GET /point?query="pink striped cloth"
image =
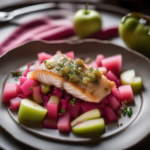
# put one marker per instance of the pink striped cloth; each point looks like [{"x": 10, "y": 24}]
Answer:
[{"x": 46, "y": 29}]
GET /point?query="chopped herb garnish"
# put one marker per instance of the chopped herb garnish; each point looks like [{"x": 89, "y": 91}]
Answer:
[
  {"x": 73, "y": 65},
  {"x": 72, "y": 102},
  {"x": 16, "y": 73},
  {"x": 70, "y": 74},
  {"x": 91, "y": 69},
  {"x": 97, "y": 70},
  {"x": 65, "y": 59},
  {"x": 61, "y": 65},
  {"x": 31, "y": 88},
  {"x": 62, "y": 111},
  {"x": 45, "y": 61},
  {"x": 96, "y": 81},
  {"x": 127, "y": 112},
  {"x": 57, "y": 69}
]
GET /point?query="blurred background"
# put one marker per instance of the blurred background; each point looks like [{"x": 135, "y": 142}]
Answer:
[{"x": 135, "y": 5}]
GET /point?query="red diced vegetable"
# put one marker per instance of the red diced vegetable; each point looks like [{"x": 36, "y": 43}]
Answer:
[
  {"x": 86, "y": 106},
  {"x": 70, "y": 54},
  {"x": 25, "y": 72},
  {"x": 22, "y": 80},
  {"x": 111, "y": 76},
  {"x": 53, "y": 108},
  {"x": 113, "y": 63},
  {"x": 64, "y": 122},
  {"x": 48, "y": 123},
  {"x": 15, "y": 103},
  {"x": 118, "y": 112},
  {"x": 126, "y": 93},
  {"x": 10, "y": 92},
  {"x": 109, "y": 114},
  {"x": 19, "y": 91},
  {"x": 64, "y": 104},
  {"x": 26, "y": 87},
  {"x": 93, "y": 64},
  {"x": 74, "y": 109},
  {"x": 116, "y": 93},
  {"x": 37, "y": 97},
  {"x": 113, "y": 103},
  {"x": 57, "y": 92},
  {"x": 99, "y": 57},
  {"x": 43, "y": 56}
]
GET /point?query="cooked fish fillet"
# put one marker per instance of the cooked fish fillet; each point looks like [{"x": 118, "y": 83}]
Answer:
[{"x": 89, "y": 92}]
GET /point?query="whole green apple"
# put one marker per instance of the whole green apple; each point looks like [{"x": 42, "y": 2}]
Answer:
[
  {"x": 86, "y": 22},
  {"x": 134, "y": 30}
]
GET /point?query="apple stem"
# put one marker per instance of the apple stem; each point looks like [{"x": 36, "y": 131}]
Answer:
[{"x": 86, "y": 7}]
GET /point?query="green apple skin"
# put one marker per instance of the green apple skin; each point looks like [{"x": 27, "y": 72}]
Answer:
[
  {"x": 134, "y": 34},
  {"x": 128, "y": 77},
  {"x": 92, "y": 114},
  {"x": 87, "y": 22},
  {"x": 31, "y": 111},
  {"x": 90, "y": 127}
]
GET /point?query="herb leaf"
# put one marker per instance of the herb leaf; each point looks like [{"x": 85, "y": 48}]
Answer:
[
  {"x": 96, "y": 81},
  {"x": 62, "y": 111},
  {"x": 31, "y": 88},
  {"x": 72, "y": 102},
  {"x": 127, "y": 112},
  {"x": 70, "y": 74},
  {"x": 61, "y": 65},
  {"x": 16, "y": 73},
  {"x": 57, "y": 69},
  {"x": 91, "y": 69}
]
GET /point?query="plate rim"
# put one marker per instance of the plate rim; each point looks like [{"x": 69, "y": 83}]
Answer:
[{"x": 76, "y": 42}]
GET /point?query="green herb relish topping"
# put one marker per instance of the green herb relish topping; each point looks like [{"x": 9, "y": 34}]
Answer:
[{"x": 74, "y": 70}]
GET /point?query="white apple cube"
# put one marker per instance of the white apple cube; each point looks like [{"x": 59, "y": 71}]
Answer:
[{"x": 128, "y": 77}]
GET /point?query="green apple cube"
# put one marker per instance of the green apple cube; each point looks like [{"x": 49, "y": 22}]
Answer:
[
  {"x": 89, "y": 127},
  {"x": 92, "y": 114},
  {"x": 31, "y": 111},
  {"x": 128, "y": 77},
  {"x": 45, "y": 88}
]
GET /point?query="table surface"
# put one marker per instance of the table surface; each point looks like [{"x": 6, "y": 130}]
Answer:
[{"x": 109, "y": 19}]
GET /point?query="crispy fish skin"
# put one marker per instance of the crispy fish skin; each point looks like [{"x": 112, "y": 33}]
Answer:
[{"x": 91, "y": 92}]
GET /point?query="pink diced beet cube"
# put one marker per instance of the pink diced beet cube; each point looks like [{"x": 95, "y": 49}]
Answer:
[
  {"x": 46, "y": 99},
  {"x": 37, "y": 96},
  {"x": 70, "y": 54},
  {"x": 74, "y": 109},
  {"x": 43, "y": 56},
  {"x": 57, "y": 92},
  {"x": 116, "y": 93},
  {"x": 26, "y": 87},
  {"x": 25, "y": 72},
  {"x": 93, "y": 64},
  {"x": 63, "y": 124},
  {"x": 111, "y": 76},
  {"x": 99, "y": 58},
  {"x": 113, "y": 63},
  {"x": 21, "y": 96},
  {"x": 109, "y": 114},
  {"x": 112, "y": 102},
  {"x": 19, "y": 91},
  {"x": 22, "y": 80},
  {"x": 50, "y": 124},
  {"x": 53, "y": 108},
  {"x": 86, "y": 106},
  {"x": 64, "y": 104},
  {"x": 10, "y": 92},
  {"x": 118, "y": 112},
  {"x": 15, "y": 103},
  {"x": 126, "y": 93}
]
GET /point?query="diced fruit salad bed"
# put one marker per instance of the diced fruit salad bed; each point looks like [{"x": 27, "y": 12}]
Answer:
[{"x": 55, "y": 109}]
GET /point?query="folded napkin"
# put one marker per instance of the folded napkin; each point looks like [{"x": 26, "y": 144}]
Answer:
[{"x": 47, "y": 29}]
